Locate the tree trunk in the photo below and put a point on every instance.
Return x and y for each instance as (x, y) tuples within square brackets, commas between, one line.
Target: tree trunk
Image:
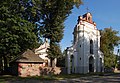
[(53, 62), (1, 65), (5, 62)]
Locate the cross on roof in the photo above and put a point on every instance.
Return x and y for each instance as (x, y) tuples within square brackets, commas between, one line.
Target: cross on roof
[(87, 9)]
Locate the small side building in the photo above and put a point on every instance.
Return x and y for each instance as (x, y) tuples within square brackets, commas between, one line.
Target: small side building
[(28, 64)]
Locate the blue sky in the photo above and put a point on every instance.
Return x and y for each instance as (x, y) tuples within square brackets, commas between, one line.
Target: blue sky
[(105, 13)]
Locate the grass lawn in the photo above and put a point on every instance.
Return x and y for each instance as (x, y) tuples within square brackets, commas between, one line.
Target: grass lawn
[(5, 78)]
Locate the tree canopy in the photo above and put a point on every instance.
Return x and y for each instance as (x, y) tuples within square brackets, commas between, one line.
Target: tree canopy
[(53, 15), (18, 30), (16, 34), (109, 39), (50, 16)]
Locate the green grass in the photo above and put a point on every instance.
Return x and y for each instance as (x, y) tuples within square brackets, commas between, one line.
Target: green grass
[(5, 78)]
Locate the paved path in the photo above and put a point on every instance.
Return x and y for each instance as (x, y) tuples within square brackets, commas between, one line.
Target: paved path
[(115, 78)]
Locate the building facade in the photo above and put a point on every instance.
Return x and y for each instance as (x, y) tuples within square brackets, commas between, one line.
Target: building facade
[(84, 55), (42, 52)]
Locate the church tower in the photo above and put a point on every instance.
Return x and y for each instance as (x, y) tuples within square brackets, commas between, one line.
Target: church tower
[(84, 55)]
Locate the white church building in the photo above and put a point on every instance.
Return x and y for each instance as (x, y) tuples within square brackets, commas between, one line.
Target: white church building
[(42, 52), (84, 55)]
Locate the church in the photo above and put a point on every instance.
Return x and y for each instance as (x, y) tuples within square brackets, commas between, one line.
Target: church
[(84, 56), (42, 52)]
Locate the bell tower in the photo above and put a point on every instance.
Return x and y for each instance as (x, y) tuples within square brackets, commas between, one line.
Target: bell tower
[(86, 17), (86, 46)]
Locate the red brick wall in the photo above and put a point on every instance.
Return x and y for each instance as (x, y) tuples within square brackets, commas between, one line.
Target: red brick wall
[(50, 70), (29, 69), (36, 69)]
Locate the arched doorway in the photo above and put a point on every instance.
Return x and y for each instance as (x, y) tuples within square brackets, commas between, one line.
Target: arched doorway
[(91, 64), (72, 63), (100, 64)]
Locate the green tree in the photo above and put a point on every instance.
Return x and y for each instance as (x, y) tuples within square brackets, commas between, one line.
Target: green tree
[(53, 15), (50, 16), (109, 39), (61, 60), (16, 34)]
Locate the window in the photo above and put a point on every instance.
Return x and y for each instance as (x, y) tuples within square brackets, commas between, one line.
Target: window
[(80, 45), (91, 47)]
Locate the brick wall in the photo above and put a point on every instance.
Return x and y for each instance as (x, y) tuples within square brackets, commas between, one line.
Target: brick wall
[(29, 69), (36, 69), (50, 70)]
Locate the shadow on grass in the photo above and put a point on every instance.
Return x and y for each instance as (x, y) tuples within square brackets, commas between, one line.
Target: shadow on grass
[(4, 78)]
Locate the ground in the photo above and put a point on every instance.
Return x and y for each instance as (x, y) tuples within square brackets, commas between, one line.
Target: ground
[(106, 78)]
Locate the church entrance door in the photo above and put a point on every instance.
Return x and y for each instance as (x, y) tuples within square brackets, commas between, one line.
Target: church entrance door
[(100, 64), (72, 64), (91, 64)]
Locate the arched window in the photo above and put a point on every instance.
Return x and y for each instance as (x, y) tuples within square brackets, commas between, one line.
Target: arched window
[(91, 46)]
